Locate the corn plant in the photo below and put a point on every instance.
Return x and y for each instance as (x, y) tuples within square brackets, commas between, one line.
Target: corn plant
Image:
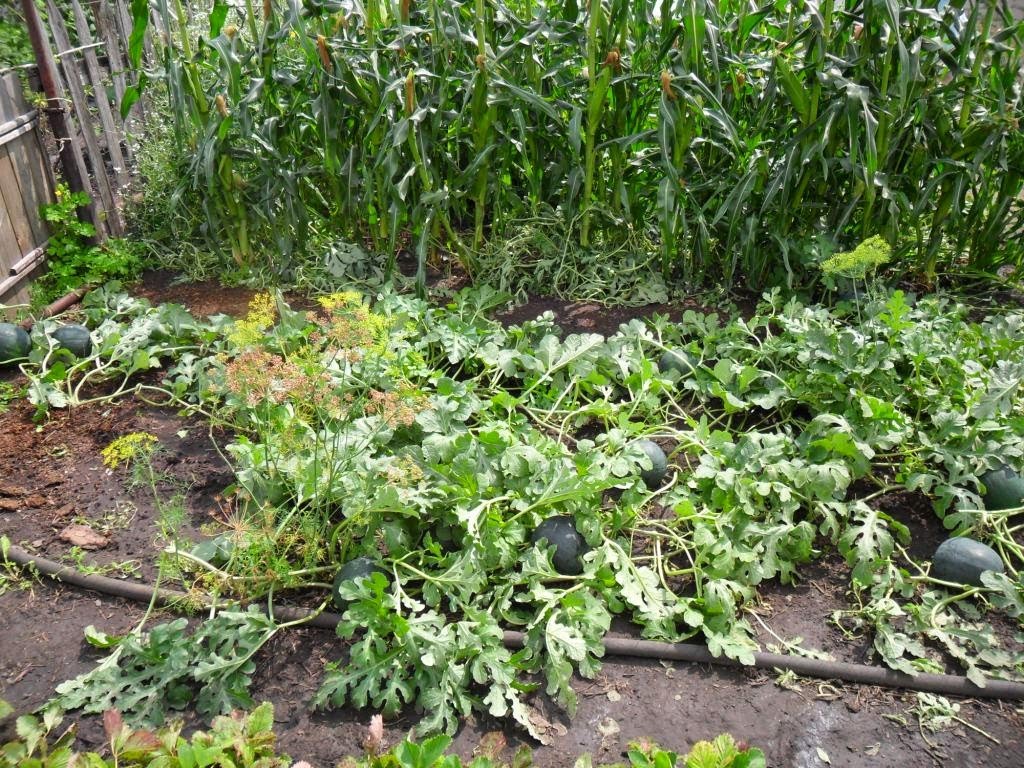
[(748, 141)]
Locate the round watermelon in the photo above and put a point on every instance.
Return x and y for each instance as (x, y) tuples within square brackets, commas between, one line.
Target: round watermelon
[(962, 560), (216, 551), (353, 571), (655, 476), (679, 360), (1004, 489), (15, 343), (560, 532), (75, 338)]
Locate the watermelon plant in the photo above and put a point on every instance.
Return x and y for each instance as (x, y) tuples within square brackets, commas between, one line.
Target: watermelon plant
[(474, 463)]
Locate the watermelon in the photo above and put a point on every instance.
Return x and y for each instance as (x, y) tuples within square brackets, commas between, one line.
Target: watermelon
[(961, 560), (353, 571), (1004, 489), (15, 343), (216, 551), (655, 476), (680, 361), (75, 338), (560, 532)]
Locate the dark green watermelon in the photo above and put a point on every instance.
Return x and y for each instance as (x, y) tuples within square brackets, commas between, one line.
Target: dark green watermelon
[(655, 476), (353, 571), (75, 339), (560, 532), (678, 360), (962, 560), (15, 343), (216, 551), (1004, 489)]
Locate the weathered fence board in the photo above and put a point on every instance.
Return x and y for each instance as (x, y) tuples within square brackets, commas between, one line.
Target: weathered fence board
[(94, 157), (111, 129), (25, 185), (30, 169), (81, 50)]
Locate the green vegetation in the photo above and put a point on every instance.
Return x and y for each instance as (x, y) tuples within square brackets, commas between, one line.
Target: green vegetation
[(731, 142), (246, 740), (15, 48), (439, 445), (74, 259), (438, 478)]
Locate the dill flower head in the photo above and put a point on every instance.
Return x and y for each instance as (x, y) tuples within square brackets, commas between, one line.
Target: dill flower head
[(858, 263), (128, 448), (261, 315), (348, 326)]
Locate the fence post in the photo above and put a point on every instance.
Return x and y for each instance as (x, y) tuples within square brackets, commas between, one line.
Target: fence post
[(73, 80)]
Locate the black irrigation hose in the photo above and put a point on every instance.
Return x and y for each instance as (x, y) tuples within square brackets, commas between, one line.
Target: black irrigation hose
[(616, 646)]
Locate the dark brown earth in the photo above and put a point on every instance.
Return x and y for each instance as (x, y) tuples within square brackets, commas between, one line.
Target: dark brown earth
[(52, 475)]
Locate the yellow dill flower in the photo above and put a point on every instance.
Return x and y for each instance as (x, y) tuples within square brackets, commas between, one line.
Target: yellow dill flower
[(348, 299), (351, 325), (261, 315), (866, 257), (128, 448)]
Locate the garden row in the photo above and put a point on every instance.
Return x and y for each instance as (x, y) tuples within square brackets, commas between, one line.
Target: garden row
[(479, 478), (247, 740)]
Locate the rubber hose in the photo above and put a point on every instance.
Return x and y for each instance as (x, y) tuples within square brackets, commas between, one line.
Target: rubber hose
[(616, 646)]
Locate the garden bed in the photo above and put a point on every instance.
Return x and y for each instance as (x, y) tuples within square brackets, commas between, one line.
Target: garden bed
[(53, 476)]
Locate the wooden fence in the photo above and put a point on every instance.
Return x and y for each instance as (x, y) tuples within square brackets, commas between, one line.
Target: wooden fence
[(25, 184), (86, 51)]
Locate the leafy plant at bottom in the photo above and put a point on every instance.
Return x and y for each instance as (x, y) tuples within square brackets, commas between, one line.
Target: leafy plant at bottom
[(721, 752), (239, 740), (417, 657), (150, 672), (247, 740)]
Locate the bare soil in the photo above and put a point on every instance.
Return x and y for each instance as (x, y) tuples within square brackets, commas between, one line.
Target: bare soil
[(51, 475)]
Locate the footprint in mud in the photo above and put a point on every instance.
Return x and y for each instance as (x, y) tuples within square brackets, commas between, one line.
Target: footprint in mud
[(819, 723)]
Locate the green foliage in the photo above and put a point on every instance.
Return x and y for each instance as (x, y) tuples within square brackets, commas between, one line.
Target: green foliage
[(15, 48), (14, 45), (239, 740), (754, 139), (247, 740), (73, 260), (434, 441), (147, 673), (9, 393), (722, 752), (537, 258)]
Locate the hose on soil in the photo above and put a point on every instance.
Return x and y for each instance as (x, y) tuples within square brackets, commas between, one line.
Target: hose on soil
[(616, 646)]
